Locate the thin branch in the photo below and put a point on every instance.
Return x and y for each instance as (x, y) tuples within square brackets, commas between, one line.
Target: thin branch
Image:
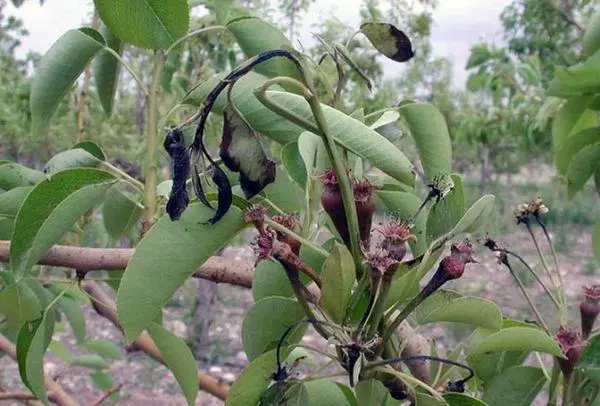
[(55, 391), (105, 307), (17, 396), (216, 269), (107, 395)]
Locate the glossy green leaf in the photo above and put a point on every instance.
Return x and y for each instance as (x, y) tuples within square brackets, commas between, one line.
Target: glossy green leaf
[(178, 358), (33, 339), (591, 38), (267, 320), (255, 36), (92, 361), (71, 158), (164, 259), (405, 205), (438, 300), (102, 347), (153, 24), (58, 69), (403, 288), (50, 209), (293, 162), (92, 148), (460, 399), (284, 193), (60, 349), (424, 399), (119, 213), (74, 314), (13, 175), (325, 393), (253, 381), (518, 339), (338, 277), (446, 213), (348, 132), (269, 279), (516, 386), (477, 214), (566, 119), (468, 310), (572, 145), (388, 40), (582, 167), (430, 133), (371, 392), (19, 304), (105, 69)]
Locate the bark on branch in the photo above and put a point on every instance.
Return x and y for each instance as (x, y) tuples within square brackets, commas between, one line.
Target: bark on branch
[(56, 394), (216, 269), (105, 307)]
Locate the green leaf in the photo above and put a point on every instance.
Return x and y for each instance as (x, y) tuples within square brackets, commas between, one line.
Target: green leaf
[(338, 277), (13, 175), (460, 399), (469, 310), (283, 192), (19, 304), (105, 382), (348, 132), (58, 69), (60, 349), (567, 118), (293, 162), (178, 358), (572, 145), (32, 341), (582, 167), (241, 152), (371, 392), (479, 55), (163, 260), (446, 213), (153, 24), (90, 361), (577, 79), (325, 393), (518, 339), (269, 279), (254, 380), (405, 205), (105, 69), (255, 36), (402, 288), (50, 209), (430, 133), (119, 213), (423, 399), (74, 314), (102, 347), (71, 158), (388, 40), (267, 320), (516, 386), (10, 202), (92, 148), (591, 38), (477, 214), (172, 63)]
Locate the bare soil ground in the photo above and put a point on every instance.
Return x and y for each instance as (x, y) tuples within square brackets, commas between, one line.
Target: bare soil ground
[(148, 383)]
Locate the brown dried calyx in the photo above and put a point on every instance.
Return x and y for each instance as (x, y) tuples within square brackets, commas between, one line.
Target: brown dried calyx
[(395, 236), (570, 342), (589, 309), (289, 221)]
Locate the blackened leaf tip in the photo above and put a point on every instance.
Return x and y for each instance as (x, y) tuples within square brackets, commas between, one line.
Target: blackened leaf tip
[(389, 40), (225, 197)]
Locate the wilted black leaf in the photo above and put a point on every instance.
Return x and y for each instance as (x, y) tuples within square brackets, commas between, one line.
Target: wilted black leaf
[(175, 146), (198, 190), (241, 152), (225, 194), (389, 40)]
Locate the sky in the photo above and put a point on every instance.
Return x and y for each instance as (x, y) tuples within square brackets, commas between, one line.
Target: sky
[(457, 25)]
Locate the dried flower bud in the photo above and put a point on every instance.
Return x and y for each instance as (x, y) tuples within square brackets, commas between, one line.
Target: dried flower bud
[(570, 343), (538, 207), (380, 260), (395, 236), (288, 220), (451, 267), (256, 215), (497, 248), (263, 246), (525, 210), (365, 207), (589, 309)]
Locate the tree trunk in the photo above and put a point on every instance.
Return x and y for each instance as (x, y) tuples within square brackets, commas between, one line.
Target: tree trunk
[(486, 170)]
